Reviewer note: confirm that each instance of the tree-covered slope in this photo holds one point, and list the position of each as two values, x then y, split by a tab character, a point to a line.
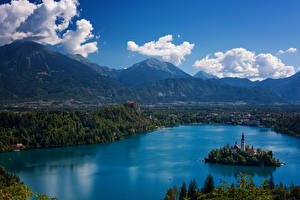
60	128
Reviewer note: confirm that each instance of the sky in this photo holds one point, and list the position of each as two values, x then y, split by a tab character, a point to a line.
255	39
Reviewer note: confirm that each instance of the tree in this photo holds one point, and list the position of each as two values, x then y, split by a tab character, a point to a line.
209	185
183	191
170	195
192	192
271	182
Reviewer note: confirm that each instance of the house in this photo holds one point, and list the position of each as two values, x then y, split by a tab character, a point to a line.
17	147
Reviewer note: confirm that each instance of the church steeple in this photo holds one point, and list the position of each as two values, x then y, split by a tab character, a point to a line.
243	145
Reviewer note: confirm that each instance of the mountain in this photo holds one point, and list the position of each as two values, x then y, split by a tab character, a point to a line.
198	90
102	70
242	82
30	71
204	76
148	72
288	88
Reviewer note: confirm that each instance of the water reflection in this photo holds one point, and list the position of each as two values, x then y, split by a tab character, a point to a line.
231	171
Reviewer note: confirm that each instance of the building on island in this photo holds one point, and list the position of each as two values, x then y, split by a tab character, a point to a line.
236	147
243	145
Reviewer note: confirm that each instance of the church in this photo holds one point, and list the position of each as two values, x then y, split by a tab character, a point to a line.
243	146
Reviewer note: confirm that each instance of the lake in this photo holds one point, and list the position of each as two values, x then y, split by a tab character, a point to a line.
144	166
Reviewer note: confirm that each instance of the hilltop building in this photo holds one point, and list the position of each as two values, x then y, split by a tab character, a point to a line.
134	105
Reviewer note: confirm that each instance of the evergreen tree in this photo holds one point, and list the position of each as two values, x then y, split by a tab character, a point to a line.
209	185
192	192
271	182
183	191
170	195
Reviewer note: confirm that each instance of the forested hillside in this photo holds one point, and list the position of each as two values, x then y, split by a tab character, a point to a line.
60	128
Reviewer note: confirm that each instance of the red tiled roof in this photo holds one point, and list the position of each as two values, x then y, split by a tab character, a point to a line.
130	101
252	150
236	146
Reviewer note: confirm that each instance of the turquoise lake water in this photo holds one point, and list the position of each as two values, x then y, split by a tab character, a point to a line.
144	166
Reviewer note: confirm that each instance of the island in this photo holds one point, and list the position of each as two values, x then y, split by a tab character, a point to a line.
244	155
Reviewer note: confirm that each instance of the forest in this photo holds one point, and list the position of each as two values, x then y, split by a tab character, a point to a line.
61	128
243	189
57	128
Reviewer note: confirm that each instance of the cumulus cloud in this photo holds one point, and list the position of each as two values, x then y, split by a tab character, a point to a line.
290	50
72	40
242	63
47	23
164	48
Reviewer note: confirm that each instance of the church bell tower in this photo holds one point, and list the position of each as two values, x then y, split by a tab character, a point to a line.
243	145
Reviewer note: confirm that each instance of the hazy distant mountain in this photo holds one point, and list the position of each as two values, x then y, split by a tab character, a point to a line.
288	88
198	90
31	72
148	72
204	75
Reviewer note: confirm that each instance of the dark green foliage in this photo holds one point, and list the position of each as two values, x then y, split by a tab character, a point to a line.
271	183
170	195
12	189
7	179
209	184
183	191
288	124
246	189
227	155
60	128
192	192
284	119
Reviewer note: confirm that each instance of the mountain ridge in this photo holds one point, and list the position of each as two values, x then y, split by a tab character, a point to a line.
32	72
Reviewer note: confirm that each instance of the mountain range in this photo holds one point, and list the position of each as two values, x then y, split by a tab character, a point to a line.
31	72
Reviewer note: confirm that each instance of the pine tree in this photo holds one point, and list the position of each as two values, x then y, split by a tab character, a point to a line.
170	195
183	191
192	193
271	183
209	185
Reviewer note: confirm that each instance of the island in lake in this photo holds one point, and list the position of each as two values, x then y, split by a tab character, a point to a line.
243	155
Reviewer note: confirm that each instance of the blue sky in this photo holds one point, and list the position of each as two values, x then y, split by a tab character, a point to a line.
245	31
212	25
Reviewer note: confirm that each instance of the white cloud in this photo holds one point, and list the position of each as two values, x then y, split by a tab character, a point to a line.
45	22
290	50
72	40
11	17
242	63
164	48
